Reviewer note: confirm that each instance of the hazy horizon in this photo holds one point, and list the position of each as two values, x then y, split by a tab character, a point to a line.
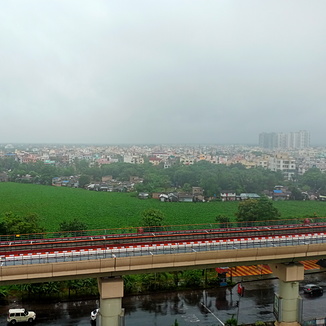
162	72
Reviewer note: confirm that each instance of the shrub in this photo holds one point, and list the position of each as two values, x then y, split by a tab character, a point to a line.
231	322
260	323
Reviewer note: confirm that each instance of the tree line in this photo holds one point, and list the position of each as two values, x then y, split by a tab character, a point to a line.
15	225
213	178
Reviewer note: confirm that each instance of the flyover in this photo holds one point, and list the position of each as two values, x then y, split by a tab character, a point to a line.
282	255
150	263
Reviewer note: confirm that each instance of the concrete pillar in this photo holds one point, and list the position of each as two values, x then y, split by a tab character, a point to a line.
287	303
111	294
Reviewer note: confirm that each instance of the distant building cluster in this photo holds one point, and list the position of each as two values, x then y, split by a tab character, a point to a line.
279	140
290	161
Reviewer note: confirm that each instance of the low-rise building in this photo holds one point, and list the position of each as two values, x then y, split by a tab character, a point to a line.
228	195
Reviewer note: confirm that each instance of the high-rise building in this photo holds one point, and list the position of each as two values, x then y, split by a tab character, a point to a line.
268	140
290	140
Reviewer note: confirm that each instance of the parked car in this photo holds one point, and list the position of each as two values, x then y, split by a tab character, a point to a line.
94	314
313	289
20	315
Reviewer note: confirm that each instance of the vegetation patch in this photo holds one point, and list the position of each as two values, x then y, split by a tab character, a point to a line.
100	210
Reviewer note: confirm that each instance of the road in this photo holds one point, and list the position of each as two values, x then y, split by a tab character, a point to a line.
161	309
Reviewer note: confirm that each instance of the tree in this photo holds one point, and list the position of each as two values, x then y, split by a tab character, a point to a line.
68	171
224	221
75	226
156	181
187	188
131	283
47	173
14	224
74	285
153	218
192	278
296	194
84	180
315	179
176	277
257	210
95	173
155	281
209	182
4	291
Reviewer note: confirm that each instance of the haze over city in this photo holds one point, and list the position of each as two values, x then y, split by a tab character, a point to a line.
161	71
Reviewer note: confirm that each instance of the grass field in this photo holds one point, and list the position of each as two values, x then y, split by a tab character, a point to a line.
116	210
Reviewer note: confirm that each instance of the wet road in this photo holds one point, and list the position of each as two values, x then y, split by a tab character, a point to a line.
163	309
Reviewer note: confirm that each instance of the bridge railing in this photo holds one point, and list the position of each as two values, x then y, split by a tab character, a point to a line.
231	244
165	228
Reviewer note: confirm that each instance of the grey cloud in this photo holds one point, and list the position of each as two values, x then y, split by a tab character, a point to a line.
168	71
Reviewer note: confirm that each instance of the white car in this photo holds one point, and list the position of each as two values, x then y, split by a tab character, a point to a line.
94	314
20	315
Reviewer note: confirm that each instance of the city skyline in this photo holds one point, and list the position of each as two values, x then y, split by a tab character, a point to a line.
293	139
183	72
266	140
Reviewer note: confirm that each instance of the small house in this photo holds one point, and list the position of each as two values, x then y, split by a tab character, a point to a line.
163	197
143	195
280	194
228	195
186	198
248	195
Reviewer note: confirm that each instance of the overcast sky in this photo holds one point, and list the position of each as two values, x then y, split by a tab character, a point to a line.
161	71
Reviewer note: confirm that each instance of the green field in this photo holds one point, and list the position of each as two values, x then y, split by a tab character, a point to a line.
99	210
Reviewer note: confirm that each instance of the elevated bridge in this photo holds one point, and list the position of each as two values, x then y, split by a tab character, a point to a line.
63	266
79	257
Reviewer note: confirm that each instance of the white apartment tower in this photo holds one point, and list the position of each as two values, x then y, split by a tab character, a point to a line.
291	140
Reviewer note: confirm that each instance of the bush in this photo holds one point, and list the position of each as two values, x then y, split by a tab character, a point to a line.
260	323
231	322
